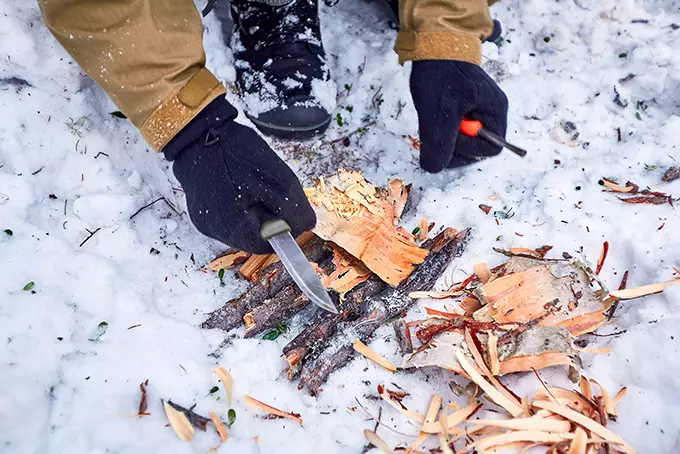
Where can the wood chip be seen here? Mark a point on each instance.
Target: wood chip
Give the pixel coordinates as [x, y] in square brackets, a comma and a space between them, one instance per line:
[514, 408]
[618, 188]
[494, 364]
[645, 290]
[452, 420]
[179, 423]
[227, 381]
[378, 442]
[620, 395]
[587, 423]
[230, 260]
[254, 403]
[579, 443]
[485, 208]
[535, 424]
[585, 388]
[444, 435]
[430, 417]
[609, 406]
[483, 273]
[603, 257]
[221, 428]
[367, 352]
[511, 437]
[515, 405]
[423, 229]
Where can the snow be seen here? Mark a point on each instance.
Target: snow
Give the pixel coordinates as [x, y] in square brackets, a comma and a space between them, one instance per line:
[60, 392]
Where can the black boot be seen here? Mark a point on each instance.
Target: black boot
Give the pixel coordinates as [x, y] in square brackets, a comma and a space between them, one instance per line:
[279, 59]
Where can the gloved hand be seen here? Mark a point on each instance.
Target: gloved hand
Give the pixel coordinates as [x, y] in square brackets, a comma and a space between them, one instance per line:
[233, 181]
[445, 91]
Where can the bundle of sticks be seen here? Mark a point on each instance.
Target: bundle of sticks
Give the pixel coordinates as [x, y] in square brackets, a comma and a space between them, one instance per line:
[369, 264]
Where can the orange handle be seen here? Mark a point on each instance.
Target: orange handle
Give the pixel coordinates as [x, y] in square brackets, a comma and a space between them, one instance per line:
[470, 127]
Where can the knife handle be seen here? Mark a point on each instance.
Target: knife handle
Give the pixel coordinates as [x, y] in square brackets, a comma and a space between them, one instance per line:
[274, 227]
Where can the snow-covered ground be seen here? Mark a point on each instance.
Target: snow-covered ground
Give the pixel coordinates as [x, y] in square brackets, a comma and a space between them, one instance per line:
[67, 166]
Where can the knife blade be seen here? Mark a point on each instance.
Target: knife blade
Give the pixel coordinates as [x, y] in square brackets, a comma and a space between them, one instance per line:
[277, 232]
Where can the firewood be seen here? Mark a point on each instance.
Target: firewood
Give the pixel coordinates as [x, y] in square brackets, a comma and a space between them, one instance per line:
[274, 278]
[382, 307]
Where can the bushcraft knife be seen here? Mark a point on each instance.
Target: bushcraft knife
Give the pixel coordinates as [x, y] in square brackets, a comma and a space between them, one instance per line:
[277, 232]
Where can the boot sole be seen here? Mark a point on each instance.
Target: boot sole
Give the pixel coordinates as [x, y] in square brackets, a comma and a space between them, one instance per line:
[290, 132]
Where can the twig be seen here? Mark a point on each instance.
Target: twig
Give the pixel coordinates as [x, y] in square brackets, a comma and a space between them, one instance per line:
[615, 304]
[101, 152]
[38, 171]
[145, 207]
[65, 202]
[377, 422]
[617, 333]
[341, 139]
[167, 202]
[90, 236]
[382, 424]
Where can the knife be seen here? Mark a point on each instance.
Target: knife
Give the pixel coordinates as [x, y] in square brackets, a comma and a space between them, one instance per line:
[277, 232]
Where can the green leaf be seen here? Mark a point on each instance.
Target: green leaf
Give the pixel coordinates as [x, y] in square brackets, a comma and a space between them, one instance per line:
[231, 415]
[282, 328]
[118, 114]
[638, 116]
[214, 389]
[498, 238]
[415, 231]
[338, 118]
[9, 232]
[349, 109]
[650, 167]
[220, 273]
[101, 329]
[348, 87]
[29, 286]
[623, 54]
[271, 335]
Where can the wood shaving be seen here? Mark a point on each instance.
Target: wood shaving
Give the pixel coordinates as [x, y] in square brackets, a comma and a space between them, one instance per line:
[513, 408]
[645, 290]
[435, 295]
[378, 442]
[256, 404]
[587, 423]
[430, 417]
[603, 257]
[179, 423]
[221, 428]
[483, 273]
[367, 352]
[143, 403]
[227, 381]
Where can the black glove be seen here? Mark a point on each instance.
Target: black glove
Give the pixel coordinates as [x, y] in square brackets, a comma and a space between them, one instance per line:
[233, 181]
[445, 91]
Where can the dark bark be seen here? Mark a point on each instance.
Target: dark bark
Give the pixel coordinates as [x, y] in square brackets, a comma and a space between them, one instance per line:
[275, 278]
[282, 306]
[274, 310]
[388, 304]
[403, 337]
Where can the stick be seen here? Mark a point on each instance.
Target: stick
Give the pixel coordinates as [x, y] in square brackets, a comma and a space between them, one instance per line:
[90, 236]
[231, 314]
